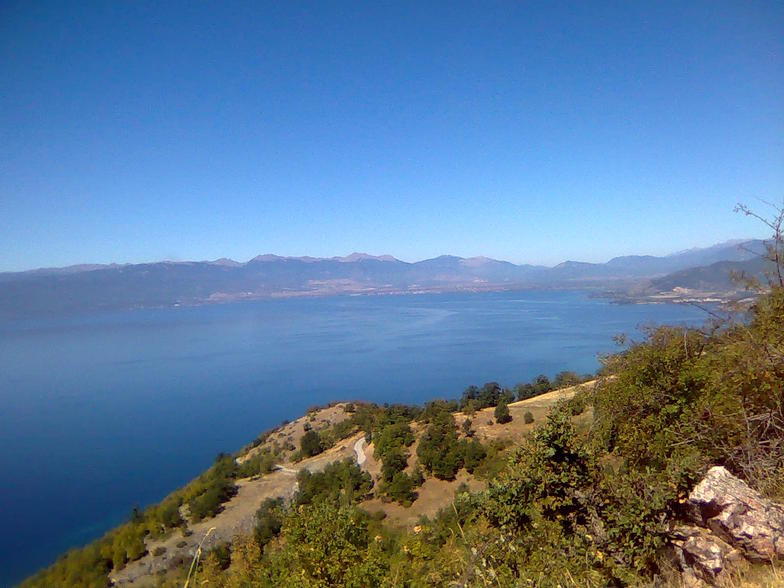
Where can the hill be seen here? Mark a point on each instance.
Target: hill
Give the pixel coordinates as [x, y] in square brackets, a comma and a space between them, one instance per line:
[166, 284]
[586, 486]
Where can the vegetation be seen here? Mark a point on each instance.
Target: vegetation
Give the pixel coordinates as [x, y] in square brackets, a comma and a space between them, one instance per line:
[311, 444]
[269, 520]
[206, 495]
[341, 481]
[501, 413]
[439, 451]
[487, 396]
[570, 507]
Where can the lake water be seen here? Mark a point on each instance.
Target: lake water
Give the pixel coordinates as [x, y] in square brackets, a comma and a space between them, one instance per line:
[102, 412]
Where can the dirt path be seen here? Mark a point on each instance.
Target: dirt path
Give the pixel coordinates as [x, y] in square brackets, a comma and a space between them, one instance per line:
[359, 450]
[238, 516]
[279, 468]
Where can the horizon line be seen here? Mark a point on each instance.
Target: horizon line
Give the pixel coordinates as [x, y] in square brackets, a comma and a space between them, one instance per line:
[357, 256]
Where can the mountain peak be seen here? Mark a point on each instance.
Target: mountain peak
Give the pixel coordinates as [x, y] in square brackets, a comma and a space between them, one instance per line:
[356, 256]
[479, 261]
[225, 261]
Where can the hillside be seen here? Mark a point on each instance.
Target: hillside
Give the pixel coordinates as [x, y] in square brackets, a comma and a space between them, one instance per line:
[584, 486]
[166, 284]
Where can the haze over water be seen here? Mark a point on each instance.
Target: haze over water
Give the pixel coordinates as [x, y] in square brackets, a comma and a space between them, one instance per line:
[102, 412]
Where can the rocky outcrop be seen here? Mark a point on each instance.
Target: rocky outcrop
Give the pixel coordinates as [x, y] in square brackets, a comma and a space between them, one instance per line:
[732, 523]
[739, 515]
[701, 556]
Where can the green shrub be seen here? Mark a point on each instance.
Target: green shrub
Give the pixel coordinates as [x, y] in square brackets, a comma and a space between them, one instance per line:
[262, 462]
[400, 488]
[490, 394]
[269, 519]
[343, 478]
[566, 380]
[439, 450]
[473, 455]
[323, 545]
[528, 417]
[310, 444]
[395, 461]
[501, 413]
[540, 385]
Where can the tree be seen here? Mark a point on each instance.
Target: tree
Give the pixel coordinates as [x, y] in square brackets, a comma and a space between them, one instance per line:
[394, 461]
[311, 444]
[401, 488]
[774, 248]
[439, 451]
[566, 379]
[467, 430]
[324, 545]
[540, 385]
[473, 455]
[502, 415]
[269, 519]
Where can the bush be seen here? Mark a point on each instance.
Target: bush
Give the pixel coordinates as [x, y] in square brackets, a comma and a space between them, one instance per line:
[261, 463]
[528, 417]
[323, 545]
[566, 380]
[501, 413]
[434, 408]
[473, 455]
[158, 551]
[488, 395]
[207, 493]
[344, 478]
[401, 489]
[545, 478]
[577, 404]
[439, 450]
[210, 502]
[269, 519]
[310, 444]
[540, 385]
[395, 461]
[392, 437]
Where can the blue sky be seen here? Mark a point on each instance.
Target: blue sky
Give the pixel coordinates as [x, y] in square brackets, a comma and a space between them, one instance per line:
[526, 131]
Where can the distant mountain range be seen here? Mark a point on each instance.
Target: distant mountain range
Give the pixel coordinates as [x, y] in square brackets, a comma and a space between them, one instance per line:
[90, 287]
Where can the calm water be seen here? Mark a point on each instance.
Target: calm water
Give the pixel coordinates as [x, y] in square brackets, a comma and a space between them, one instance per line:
[99, 413]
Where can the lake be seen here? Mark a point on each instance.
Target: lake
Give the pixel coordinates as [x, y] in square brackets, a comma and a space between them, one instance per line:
[105, 411]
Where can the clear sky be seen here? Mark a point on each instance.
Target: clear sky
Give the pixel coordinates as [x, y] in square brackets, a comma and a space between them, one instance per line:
[526, 131]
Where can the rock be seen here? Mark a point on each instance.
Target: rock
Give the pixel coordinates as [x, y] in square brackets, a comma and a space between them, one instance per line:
[702, 556]
[739, 515]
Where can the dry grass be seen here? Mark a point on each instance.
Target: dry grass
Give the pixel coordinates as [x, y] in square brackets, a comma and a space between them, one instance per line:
[436, 494]
[517, 430]
[238, 515]
[292, 432]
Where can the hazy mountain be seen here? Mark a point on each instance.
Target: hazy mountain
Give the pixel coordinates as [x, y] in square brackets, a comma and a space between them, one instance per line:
[716, 277]
[640, 266]
[167, 283]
